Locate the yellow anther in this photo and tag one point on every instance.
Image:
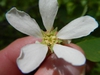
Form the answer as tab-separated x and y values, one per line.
50	38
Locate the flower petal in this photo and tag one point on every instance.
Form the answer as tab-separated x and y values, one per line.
71	55
23	22
31	57
48	11
79	27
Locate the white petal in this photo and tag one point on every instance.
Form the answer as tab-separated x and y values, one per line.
79	27
31	57
48	11
71	55
23	22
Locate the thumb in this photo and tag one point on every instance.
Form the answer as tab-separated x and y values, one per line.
9	54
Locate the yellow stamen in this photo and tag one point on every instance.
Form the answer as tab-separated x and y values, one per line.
50	38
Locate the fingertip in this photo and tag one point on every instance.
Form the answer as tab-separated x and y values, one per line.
13	50
9	55
7	67
76	47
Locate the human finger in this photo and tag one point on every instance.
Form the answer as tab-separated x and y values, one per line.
9	54
57	66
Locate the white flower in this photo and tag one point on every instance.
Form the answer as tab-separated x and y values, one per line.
32	55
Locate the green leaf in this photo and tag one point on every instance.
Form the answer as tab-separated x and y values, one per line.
91	49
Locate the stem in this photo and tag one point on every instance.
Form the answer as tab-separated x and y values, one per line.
85	10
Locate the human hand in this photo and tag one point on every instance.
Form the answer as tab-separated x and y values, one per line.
9	55
57	66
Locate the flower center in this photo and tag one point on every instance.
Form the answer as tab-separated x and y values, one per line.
50	38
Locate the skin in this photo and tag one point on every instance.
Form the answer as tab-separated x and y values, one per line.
9	55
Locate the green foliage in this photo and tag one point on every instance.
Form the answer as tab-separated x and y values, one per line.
96	69
68	10
91	49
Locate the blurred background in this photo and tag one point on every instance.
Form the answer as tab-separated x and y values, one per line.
68	10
